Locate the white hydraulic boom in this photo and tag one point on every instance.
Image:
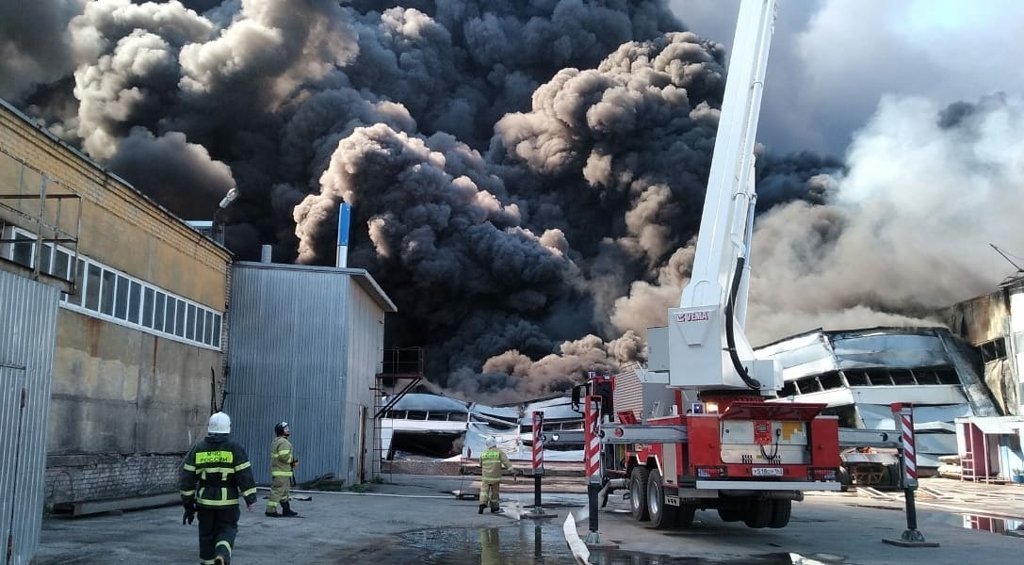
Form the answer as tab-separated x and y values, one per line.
707	347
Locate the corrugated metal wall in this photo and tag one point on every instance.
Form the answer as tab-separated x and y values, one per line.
28	328
365	354
300	337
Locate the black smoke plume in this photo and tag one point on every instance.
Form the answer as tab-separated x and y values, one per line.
526	175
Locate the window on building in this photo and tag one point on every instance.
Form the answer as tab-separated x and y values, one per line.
23	245
148	297
179	318
190	322
79	294
61	264
92	288
134	297
107	292
121	298
172	303
200	325
159	315
45	254
112	293
208	328
993	350
216	331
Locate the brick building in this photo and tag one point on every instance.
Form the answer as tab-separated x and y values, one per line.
138	356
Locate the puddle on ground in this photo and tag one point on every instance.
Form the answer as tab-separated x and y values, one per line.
529	543
994	525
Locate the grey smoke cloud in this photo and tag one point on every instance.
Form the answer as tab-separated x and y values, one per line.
34	47
526	177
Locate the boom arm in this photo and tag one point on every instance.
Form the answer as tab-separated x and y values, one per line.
707	346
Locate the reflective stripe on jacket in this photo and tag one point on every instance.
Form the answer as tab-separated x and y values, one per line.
281	457
216	472
492	461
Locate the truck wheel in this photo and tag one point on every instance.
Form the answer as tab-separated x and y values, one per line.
730	513
759	513
781	510
638	494
684	515
662	516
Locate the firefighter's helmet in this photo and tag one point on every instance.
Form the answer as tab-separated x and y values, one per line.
220	423
491	442
281	429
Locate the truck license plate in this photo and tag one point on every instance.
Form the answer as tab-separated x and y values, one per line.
767	471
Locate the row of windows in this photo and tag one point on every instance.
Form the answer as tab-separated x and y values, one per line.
112	295
424	415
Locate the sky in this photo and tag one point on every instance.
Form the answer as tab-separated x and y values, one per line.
832	60
527	177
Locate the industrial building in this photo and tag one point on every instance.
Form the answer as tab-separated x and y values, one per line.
994	325
119	384
858	374
307	345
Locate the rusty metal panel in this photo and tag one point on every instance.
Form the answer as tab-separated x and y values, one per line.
28	328
306	344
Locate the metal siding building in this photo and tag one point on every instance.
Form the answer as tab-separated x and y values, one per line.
28	329
306	346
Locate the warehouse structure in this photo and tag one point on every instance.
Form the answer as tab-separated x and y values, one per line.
994	324
140	305
306	348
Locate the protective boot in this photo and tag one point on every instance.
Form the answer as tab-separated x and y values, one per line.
272	513
287	511
481	510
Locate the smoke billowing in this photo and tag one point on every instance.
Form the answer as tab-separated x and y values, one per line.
526	176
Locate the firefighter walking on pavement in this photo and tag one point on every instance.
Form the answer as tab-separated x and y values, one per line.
215	473
282	468
492	462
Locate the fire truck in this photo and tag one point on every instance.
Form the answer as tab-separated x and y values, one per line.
709	431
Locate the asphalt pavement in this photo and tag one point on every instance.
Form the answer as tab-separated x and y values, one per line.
420	519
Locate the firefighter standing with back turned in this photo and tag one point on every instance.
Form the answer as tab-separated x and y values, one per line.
492	461
282	464
213	476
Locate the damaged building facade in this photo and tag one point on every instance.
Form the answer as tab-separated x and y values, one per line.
994	325
858	374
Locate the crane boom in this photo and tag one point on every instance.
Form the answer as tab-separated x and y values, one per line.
707	348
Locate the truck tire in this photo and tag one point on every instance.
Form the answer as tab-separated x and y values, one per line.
684	515
758	513
781	511
730	513
638	494
662	516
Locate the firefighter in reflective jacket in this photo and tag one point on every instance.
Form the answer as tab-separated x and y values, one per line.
215	473
282	463
492	461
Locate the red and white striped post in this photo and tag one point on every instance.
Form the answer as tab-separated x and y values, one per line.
903	415
538	455
592	453
538	443
592	457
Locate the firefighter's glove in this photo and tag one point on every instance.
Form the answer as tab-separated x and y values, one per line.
295	463
190	512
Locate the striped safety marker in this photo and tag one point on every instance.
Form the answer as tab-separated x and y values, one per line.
538	443
593	452
904	416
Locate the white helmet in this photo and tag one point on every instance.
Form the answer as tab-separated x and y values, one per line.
491	442
220	423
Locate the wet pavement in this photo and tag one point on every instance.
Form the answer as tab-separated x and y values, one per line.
417	519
